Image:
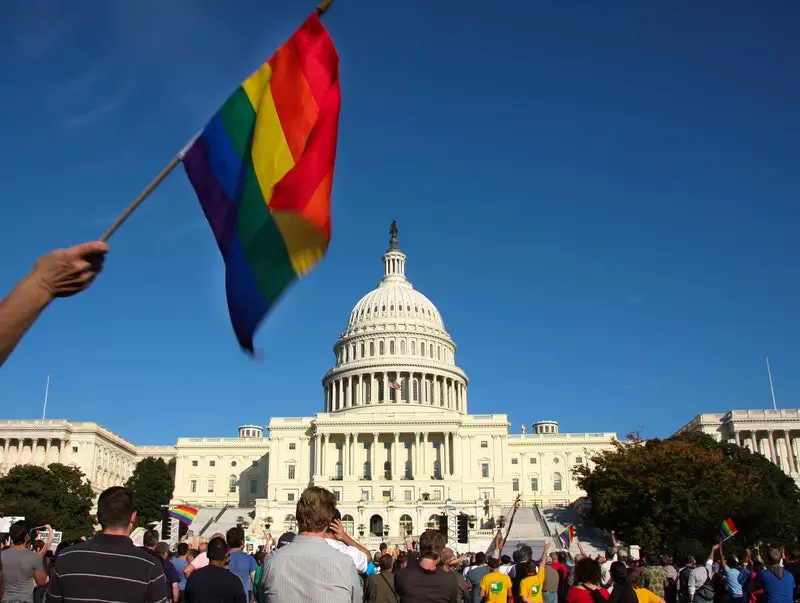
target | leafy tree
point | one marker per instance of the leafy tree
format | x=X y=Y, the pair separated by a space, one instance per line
x=152 y=482
x=671 y=495
x=58 y=495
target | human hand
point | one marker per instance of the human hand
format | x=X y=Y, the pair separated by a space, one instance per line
x=65 y=272
x=337 y=529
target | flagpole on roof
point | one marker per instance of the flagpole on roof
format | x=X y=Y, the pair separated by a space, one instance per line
x=321 y=9
x=771 y=387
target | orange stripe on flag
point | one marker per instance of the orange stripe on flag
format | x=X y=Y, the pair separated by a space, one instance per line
x=294 y=102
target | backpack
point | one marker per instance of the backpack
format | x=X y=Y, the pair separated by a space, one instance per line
x=707 y=590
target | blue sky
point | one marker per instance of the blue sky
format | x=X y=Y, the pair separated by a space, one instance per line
x=600 y=197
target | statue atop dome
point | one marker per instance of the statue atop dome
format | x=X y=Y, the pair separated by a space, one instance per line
x=393 y=244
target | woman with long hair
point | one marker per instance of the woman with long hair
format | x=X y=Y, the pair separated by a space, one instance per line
x=621 y=592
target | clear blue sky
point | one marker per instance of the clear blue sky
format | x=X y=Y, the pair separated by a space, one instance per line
x=600 y=197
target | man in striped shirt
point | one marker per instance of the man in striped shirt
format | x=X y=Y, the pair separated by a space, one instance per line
x=109 y=568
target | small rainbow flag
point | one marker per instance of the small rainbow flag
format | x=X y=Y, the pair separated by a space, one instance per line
x=727 y=528
x=263 y=171
x=183 y=514
x=568 y=535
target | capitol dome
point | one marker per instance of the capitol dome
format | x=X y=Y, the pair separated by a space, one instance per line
x=395 y=349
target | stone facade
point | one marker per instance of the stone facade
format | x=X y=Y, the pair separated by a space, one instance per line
x=775 y=433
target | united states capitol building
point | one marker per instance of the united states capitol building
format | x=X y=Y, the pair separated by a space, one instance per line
x=394 y=442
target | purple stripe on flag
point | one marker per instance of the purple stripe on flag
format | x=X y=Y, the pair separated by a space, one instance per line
x=220 y=211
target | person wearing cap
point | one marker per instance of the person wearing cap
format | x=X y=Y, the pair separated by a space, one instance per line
x=309 y=570
x=285 y=539
x=449 y=562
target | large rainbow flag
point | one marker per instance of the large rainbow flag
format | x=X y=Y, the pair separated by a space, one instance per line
x=568 y=535
x=263 y=171
x=727 y=529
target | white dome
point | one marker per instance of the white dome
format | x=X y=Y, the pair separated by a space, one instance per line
x=394 y=298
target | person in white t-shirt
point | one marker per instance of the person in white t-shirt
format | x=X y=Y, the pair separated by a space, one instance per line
x=610 y=557
x=342 y=541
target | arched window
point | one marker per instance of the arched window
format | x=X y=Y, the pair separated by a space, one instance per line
x=387 y=470
x=430 y=349
x=404 y=390
x=367 y=470
x=437 y=469
x=391 y=347
x=368 y=391
x=362 y=350
x=406 y=525
x=557 y=482
x=402 y=346
x=347 y=354
x=339 y=470
x=353 y=352
x=380 y=389
x=348 y=524
x=381 y=348
x=438 y=352
x=422 y=348
x=376 y=526
x=232 y=484
x=415 y=389
x=413 y=348
x=290 y=523
x=371 y=348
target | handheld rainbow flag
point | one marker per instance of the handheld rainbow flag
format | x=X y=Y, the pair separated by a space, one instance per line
x=568 y=535
x=727 y=529
x=263 y=171
x=183 y=514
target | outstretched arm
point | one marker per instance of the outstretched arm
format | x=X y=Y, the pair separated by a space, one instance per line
x=60 y=273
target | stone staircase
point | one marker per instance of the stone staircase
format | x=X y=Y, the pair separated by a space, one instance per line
x=525 y=529
x=593 y=540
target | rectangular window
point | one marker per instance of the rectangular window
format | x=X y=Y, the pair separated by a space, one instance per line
x=232 y=486
x=290 y=497
x=253 y=486
x=365 y=495
x=535 y=484
x=193 y=486
x=515 y=461
x=194 y=463
x=291 y=471
x=292 y=446
x=337 y=495
x=484 y=469
x=387 y=495
x=408 y=495
x=437 y=495
x=484 y=444
x=578 y=459
x=212 y=463
x=210 y=485
x=515 y=484
x=533 y=460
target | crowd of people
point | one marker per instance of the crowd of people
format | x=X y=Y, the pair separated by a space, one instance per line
x=322 y=563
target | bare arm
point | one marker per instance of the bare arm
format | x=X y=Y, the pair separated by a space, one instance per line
x=60 y=273
x=580 y=548
x=49 y=542
x=614 y=543
x=342 y=536
x=543 y=560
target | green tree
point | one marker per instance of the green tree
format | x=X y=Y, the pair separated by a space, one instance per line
x=58 y=495
x=671 y=495
x=152 y=482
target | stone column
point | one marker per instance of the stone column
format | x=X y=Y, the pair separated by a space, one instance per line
x=385 y=387
x=323 y=442
x=445 y=457
x=374 y=460
x=415 y=455
x=771 y=436
x=435 y=391
x=396 y=473
x=360 y=391
x=754 y=441
x=423 y=465
x=5 y=450
x=47 y=445
x=790 y=451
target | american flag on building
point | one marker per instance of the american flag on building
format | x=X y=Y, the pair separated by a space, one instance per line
x=394 y=385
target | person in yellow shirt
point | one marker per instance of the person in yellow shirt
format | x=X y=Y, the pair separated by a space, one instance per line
x=495 y=586
x=531 y=586
x=644 y=595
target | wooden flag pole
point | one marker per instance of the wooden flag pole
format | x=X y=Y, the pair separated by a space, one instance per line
x=321 y=9
x=142 y=196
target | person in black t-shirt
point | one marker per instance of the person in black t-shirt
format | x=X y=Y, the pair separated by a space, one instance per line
x=427 y=582
x=213 y=583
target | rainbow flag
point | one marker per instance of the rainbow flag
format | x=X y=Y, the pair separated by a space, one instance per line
x=183 y=514
x=727 y=529
x=263 y=171
x=568 y=535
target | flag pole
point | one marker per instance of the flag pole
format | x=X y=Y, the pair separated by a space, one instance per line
x=46 y=392
x=771 y=388
x=321 y=9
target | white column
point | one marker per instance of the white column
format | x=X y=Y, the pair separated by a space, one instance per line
x=5 y=450
x=374 y=461
x=395 y=450
x=435 y=391
x=48 y=442
x=385 y=387
x=445 y=457
x=771 y=436
x=423 y=465
x=415 y=455
x=322 y=460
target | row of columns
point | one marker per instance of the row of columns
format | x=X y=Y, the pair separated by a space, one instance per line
x=21 y=451
x=440 y=464
x=373 y=388
x=777 y=445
